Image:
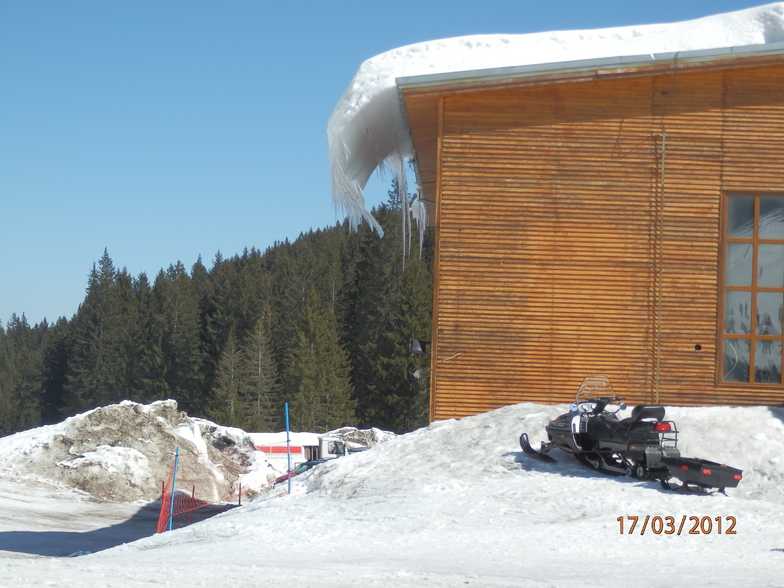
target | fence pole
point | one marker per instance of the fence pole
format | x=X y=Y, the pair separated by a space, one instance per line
x=288 y=446
x=174 y=485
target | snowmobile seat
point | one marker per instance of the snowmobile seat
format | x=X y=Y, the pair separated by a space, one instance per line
x=609 y=429
x=619 y=431
x=647 y=411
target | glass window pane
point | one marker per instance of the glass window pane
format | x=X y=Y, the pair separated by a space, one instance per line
x=736 y=360
x=754 y=308
x=771 y=221
x=767 y=362
x=740 y=217
x=769 y=313
x=770 y=266
x=737 y=306
x=739 y=261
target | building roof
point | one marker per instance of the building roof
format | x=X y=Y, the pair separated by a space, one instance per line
x=595 y=67
x=368 y=128
x=419 y=95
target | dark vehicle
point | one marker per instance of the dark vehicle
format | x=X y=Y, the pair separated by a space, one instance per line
x=301 y=468
x=644 y=446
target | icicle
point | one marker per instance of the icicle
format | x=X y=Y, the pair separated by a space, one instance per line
x=397 y=165
x=364 y=140
x=419 y=214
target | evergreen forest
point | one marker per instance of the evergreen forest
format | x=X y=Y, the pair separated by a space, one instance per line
x=321 y=323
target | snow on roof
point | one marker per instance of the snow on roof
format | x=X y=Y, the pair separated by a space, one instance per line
x=367 y=129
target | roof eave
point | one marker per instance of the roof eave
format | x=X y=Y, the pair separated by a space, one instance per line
x=493 y=77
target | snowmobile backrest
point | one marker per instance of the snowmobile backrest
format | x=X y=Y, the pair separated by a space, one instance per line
x=647 y=411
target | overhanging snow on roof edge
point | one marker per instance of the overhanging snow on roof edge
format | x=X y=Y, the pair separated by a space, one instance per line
x=598 y=65
x=368 y=129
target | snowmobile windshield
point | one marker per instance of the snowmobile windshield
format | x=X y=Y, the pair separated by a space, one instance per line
x=594 y=394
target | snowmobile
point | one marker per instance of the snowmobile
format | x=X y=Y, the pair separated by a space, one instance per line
x=643 y=446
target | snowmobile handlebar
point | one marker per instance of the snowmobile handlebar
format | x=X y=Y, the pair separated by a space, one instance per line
x=600 y=403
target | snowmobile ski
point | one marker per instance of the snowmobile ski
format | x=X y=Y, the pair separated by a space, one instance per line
x=525 y=445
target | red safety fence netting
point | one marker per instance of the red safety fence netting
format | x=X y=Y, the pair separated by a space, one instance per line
x=197 y=480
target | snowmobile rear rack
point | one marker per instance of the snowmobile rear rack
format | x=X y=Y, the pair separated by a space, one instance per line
x=702 y=473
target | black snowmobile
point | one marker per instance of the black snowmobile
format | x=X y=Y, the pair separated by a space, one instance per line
x=644 y=446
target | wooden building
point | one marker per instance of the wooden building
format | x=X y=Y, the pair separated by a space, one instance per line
x=620 y=216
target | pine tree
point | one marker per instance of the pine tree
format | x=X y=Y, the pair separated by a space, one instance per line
x=182 y=357
x=129 y=338
x=379 y=303
x=263 y=387
x=149 y=382
x=411 y=317
x=318 y=382
x=54 y=369
x=338 y=309
x=212 y=320
x=7 y=384
x=371 y=335
x=285 y=304
x=20 y=392
x=229 y=399
x=94 y=365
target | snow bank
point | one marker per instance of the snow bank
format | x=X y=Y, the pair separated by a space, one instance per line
x=752 y=437
x=482 y=450
x=458 y=503
x=357 y=438
x=124 y=451
x=452 y=504
x=367 y=129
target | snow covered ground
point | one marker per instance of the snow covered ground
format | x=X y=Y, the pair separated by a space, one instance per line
x=452 y=504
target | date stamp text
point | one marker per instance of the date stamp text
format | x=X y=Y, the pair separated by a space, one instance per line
x=671 y=526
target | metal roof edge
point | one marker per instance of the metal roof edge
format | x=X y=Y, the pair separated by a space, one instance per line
x=458 y=78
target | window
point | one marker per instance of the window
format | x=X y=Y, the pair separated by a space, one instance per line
x=753 y=290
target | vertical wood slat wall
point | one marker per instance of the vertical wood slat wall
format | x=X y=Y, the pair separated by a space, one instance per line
x=553 y=242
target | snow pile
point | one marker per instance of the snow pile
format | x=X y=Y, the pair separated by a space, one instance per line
x=124 y=451
x=752 y=437
x=457 y=502
x=453 y=504
x=116 y=463
x=359 y=438
x=483 y=448
x=367 y=129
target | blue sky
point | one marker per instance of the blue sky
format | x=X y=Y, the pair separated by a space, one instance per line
x=164 y=130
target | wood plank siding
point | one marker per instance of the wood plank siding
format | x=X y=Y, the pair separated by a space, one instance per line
x=579 y=231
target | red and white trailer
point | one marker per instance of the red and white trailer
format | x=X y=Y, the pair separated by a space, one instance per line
x=301 y=447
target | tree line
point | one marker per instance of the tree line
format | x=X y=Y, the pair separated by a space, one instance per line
x=321 y=323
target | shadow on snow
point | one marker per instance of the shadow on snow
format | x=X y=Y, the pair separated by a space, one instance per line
x=143 y=523
x=566 y=465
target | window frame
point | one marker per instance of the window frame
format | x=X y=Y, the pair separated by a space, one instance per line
x=754 y=289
